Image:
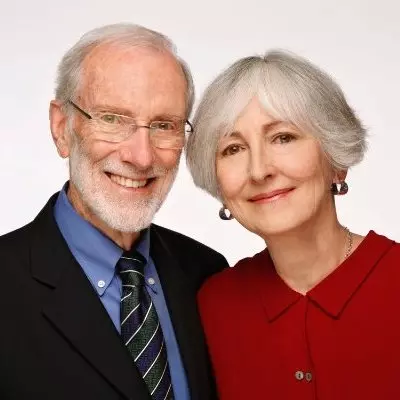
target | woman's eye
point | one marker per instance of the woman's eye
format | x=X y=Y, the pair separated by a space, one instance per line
x=110 y=118
x=231 y=150
x=283 y=138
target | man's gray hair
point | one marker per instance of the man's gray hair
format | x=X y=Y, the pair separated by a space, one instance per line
x=291 y=89
x=130 y=35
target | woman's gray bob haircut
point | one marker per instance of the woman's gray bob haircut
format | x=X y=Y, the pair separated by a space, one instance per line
x=125 y=34
x=291 y=89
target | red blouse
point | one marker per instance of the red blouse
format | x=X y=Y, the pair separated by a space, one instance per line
x=341 y=341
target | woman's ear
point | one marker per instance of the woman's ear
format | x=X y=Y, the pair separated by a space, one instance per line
x=339 y=176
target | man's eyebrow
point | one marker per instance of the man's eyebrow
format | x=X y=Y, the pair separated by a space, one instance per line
x=103 y=107
x=166 y=117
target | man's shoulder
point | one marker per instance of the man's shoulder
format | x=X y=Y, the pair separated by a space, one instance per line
x=179 y=239
x=38 y=226
x=188 y=250
x=15 y=250
x=17 y=237
x=40 y=232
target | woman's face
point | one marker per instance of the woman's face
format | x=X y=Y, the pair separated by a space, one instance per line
x=273 y=177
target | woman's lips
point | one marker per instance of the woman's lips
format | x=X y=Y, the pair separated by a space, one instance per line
x=270 y=196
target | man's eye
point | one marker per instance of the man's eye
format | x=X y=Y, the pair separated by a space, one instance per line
x=231 y=150
x=110 y=118
x=164 y=125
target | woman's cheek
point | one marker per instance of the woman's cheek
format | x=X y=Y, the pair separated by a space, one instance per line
x=232 y=177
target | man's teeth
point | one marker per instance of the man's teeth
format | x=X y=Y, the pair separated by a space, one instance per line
x=127 y=182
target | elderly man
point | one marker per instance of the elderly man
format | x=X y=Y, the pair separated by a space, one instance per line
x=97 y=302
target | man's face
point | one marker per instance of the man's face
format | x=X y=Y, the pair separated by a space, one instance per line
x=124 y=184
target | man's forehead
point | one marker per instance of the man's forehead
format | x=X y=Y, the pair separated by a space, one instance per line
x=128 y=76
x=112 y=58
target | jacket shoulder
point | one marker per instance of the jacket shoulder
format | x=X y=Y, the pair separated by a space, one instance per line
x=194 y=256
x=17 y=238
x=15 y=251
x=179 y=239
x=23 y=235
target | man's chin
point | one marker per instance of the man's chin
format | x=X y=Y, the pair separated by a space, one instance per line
x=122 y=213
x=127 y=219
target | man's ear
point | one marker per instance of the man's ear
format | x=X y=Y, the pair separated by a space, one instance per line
x=58 y=127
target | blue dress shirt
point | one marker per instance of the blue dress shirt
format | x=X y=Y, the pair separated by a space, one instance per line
x=98 y=257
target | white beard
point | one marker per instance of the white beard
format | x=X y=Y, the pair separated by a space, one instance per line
x=116 y=212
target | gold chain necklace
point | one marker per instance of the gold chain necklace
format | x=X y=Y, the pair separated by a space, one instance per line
x=349 y=242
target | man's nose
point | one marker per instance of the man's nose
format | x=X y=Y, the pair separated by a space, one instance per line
x=137 y=149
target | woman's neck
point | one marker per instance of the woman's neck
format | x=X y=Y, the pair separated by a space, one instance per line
x=304 y=257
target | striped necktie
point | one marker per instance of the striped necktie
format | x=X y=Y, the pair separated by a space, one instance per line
x=140 y=327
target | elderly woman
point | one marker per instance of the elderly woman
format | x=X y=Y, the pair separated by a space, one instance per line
x=316 y=314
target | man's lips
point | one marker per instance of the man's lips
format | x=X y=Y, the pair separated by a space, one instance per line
x=129 y=182
x=270 y=195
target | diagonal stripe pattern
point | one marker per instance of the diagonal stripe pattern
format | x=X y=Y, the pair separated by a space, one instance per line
x=140 y=327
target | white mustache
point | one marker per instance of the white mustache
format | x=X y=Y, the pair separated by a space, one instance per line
x=115 y=168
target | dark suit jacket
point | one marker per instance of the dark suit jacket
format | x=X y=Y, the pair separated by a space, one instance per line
x=56 y=339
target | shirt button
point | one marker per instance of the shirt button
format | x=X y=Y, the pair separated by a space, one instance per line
x=299 y=375
x=101 y=284
x=308 y=376
x=151 y=281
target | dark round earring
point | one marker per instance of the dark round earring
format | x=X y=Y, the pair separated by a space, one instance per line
x=344 y=188
x=223 y=215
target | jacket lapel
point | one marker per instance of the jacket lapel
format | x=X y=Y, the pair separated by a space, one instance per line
x=75 y=310
x=180 y=295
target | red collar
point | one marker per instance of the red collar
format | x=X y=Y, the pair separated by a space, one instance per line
x=332 y=294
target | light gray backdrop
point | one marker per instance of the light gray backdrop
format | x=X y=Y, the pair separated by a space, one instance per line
x=356 y=41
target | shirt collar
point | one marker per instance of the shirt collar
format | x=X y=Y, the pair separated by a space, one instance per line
x=336 y=291
x=276 y=297
x=333 y=293
x=95 y=252
x=143 y=246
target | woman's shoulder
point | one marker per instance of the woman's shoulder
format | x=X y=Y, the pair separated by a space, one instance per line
x=378 y=243
x=387 y=245
x=377 y=249
x=236 y=276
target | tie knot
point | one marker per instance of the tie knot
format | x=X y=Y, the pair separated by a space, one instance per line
x=131 y=268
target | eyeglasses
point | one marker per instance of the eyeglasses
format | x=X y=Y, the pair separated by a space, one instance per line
x=115 y=128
